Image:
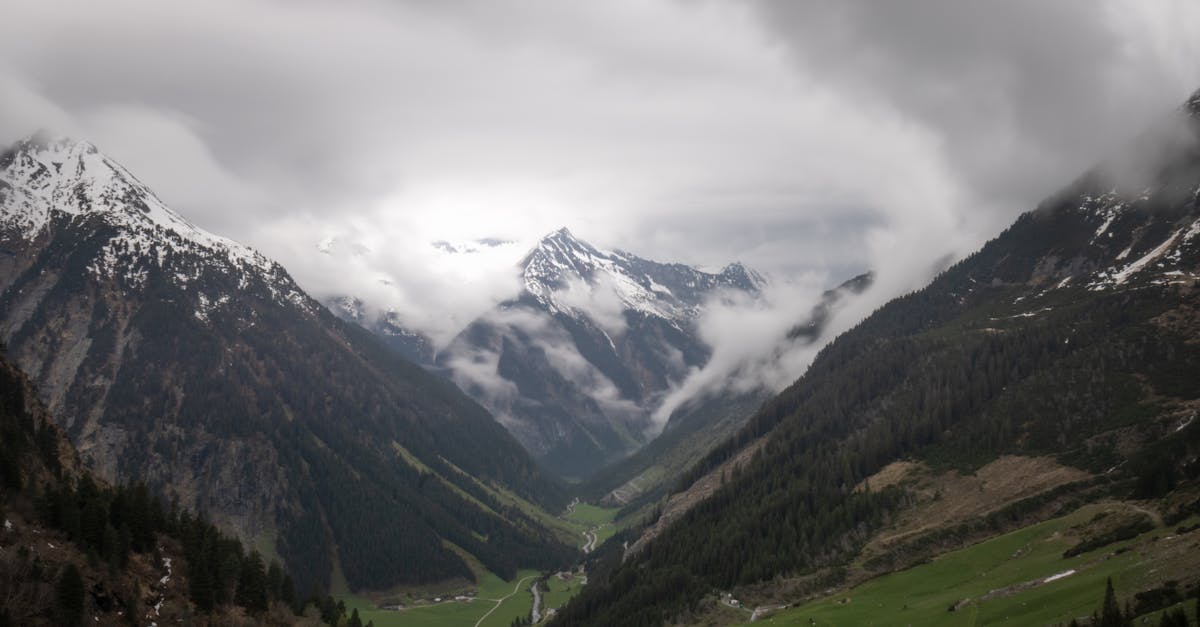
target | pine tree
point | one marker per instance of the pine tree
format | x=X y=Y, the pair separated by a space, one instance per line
x=1110 y=612
x=287 y=593
x=111 y=547
x=202 y=585
x=252 y=584
x=355 y=621
x=274 y=581
x=68 y=596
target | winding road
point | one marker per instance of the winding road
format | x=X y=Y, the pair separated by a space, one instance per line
x=591 y=539
x=501 y=600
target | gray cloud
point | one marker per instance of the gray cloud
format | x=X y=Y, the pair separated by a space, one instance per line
x=1018 y=98
x=811 y=139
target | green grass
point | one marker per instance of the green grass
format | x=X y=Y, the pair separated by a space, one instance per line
x=454 y=612
x=265 y=544
x=490 y=586
x=593 y=514
x=562 y=528
x=922 y=595
x=604 y=533
x=586 y=517
x=560 y=592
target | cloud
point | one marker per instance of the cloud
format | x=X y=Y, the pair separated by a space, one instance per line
x=810 y=139
x=599 y=300
x=745 y=333
x=1022 y=96
x=167 y=147
x=1003 y=103
x=477 y=368
x=392 y=264
x=653 y=127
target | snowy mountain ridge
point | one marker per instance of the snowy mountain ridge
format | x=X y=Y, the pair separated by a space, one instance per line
x=673 y=292
x=42 y=178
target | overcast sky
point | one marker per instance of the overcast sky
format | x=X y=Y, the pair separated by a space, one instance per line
x=809 y=139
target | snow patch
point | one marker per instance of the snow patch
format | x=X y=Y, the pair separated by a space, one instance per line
x=1063 y=575
x=1140 y=264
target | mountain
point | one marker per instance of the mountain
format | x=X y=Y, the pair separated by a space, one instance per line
x=577 y=362
x=640 y=480
x=191 y=362
x=1050 y=376
x=387 y=326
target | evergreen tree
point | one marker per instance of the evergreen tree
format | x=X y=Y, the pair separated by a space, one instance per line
x=1176 y=618
x=1110 y=612
x=287 y=593
x=252 y=584
x=354 y=621
x=68 y=596
x=274 y=581
x=201 y=584
x=111 y=546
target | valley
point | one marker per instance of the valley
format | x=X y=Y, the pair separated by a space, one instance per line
x=492 y=601
x=633 y=314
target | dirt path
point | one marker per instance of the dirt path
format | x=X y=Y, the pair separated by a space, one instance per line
x=1154 y=516
x=502 y=599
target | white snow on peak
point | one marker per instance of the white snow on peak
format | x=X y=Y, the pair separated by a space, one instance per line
x=560 y=265
x=43 y=177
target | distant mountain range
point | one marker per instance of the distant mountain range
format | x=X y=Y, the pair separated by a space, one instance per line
x=576 y=363
x=191 y=362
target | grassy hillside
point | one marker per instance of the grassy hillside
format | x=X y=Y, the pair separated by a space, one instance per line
x=1018 y=578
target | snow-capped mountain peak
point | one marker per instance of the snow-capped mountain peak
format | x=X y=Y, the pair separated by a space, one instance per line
x=560 y=263
x=47 y=180
x=45 y=174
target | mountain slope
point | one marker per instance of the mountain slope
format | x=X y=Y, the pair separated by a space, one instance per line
x=575 y=365
x=643 y=478
x=1070 y=336
x=74 y=549
x=192 y=362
